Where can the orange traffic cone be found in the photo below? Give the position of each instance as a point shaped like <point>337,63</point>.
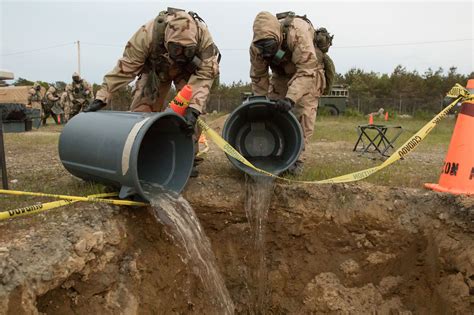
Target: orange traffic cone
<point>457,175</point>
<point>181,100</point>
<point>386,116</point>
<point>371,119</point>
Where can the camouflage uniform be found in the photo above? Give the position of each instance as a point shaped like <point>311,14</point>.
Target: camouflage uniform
<point>300,74</point>
<point>156,72</point>
<point>65,104</point>
<point>80,94</point>
<point>51,100</point>
<point>35,97</point>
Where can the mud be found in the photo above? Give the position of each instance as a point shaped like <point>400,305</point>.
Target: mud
<point>353,248</point>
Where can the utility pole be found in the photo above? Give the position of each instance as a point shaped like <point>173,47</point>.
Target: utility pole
<point>78,57</point>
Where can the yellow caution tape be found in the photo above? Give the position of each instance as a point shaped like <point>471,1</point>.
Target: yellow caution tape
<point>118,202</point>
<point>45,206</point>
<point>458,92</point>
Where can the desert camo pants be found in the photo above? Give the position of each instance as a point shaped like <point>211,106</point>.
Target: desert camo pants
<point>305,109</point>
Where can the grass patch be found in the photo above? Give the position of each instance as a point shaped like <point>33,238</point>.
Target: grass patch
<point>423,165</point>
<point>25,141</point>
<point>345,129</point>
<point>406,173</point>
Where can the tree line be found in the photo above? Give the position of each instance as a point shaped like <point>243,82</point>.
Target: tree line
<point>402,91</point>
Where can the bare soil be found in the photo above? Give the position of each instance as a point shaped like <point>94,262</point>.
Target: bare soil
<point>357,248</point>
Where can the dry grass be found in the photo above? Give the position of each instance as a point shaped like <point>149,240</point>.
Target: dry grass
<point>423,165</point>
<point>33,165</point>
<point>33,162</point>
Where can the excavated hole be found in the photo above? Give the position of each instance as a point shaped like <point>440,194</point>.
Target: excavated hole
<point>356,249</point>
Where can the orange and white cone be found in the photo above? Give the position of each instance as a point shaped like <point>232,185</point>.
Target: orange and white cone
<point>457,175</point>
<point>181,100</point>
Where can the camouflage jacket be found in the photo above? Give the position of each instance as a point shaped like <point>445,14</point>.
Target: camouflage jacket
<point>34,96</point>
<point>138,51</point>
<point>79,91</point>
<point>301,62</point>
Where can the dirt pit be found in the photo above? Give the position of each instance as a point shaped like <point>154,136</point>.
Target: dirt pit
<point>353,248</point>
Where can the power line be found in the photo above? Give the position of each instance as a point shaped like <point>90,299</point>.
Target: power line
<point>245,49</point>
<point>35,50</point>
<point>105,45</point>
<point>406,44</point>
<point>378,45</point>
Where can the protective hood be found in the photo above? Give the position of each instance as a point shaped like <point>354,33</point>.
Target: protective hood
<point>181,29</point>
<point>266,25</point>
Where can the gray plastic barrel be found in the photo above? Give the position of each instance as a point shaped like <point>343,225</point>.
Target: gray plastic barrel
<point>128,150</point>
<point>269,139</point>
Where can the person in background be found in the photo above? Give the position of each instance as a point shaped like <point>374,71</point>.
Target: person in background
<point>34,96</point>
<point>287,45</point>
<point>51,100</point>
<point>79,93</point>
<point>175,47</point>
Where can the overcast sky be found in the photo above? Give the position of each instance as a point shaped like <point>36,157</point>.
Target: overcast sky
<point>37,37</point>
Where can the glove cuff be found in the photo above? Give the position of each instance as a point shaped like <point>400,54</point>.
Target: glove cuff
<point>194,111</point>
<point>291,101</point>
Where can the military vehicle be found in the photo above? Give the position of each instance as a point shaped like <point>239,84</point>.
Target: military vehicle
<point>15,114</point>
<point>5,75</point>
<point>336,101</point>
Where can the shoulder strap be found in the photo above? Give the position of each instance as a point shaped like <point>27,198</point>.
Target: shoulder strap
<point>158,40</point>
<point>156,59</point>
<point>305,18</point>
<point>285,18</point>
<point>196,17</point>
<point>210,50</point>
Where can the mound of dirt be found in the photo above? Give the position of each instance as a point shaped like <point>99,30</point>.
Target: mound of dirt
<point>330,249</point>
<point>348,248</point>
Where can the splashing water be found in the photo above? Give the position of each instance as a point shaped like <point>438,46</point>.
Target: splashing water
<point>177,214</point>
<point>258,193</point>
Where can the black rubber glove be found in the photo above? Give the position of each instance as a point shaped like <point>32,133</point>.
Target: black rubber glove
<point>284,105</point>
<point>94,106</point>
<point>191,116</point>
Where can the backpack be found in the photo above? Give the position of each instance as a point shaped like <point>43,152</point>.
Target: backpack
<point>157,60</point>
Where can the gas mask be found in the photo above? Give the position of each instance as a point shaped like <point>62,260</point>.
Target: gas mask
<point>76,79</point>
<point>268,47</point>
<point>181,54</point>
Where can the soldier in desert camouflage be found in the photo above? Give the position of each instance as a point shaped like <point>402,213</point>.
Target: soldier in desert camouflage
<point>176,47</point>
<point>286,45</point>
<point>50,105</point>
<point>34,96</point>
<point>79,93</point>
<point>65,105</point>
